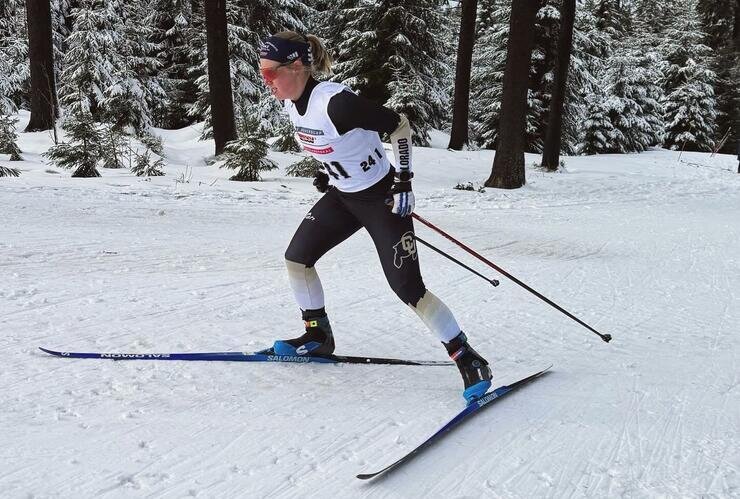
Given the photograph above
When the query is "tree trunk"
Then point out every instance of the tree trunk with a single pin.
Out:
(508, 165)
(551, 152)
(736, 71)
(41, 56)
(219, 74)
(459, 135)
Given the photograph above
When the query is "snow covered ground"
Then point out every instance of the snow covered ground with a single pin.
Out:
(644, 247)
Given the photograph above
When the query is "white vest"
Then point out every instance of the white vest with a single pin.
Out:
(354, 161)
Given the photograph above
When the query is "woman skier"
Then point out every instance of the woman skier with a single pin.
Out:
(361, 189)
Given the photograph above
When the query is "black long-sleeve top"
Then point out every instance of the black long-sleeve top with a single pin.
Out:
(348, 111)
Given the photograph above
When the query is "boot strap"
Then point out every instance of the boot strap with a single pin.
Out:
(456, 354)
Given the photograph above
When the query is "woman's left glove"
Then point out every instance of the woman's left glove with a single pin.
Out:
(321, 181)
(403, 198)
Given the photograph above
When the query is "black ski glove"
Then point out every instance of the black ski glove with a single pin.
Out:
(321, 181)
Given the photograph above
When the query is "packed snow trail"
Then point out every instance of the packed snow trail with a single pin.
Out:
(641, 246)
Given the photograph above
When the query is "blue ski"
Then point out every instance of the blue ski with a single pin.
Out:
(246, 357)
(473, 407)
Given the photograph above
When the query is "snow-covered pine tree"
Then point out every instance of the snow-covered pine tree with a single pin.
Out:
(171, 24)
(487, 16)
(15, 73)
(690, 110)
(61, 10)
(487, 74)
(683, 40)
(247, 154)
(285, 141)
(272, 119)
(542, 74)
(306, 167)
(405, 88)
(90, 61)
(453, 21)
(106, 66)
(650, 17)
(347, 28)
(690, 104)
(612, 17)
(718, 22)
(9, 172)
(146, 167)
(651, 96)
(113, 145)
(417, 43)
(328, 19)
(136, 85)
(623, 112)
(592, 42)
(586, 62)
(152, 142)
(598, 134)
(9, 137)
(647, 80)
(124, 102)
(198, 69)
(717, 19)
(81, 151)
(243, 56)
(631, 110)
(592, 130)
(390, 48)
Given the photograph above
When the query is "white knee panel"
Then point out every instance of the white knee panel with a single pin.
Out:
(437, 317)
(306, 285)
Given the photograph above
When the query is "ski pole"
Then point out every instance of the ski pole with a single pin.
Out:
(606, 337)
(491, 281)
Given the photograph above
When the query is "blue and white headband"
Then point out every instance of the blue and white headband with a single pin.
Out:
(282, 50)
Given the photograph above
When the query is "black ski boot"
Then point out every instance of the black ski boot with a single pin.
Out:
(317, 340)
(474, 369)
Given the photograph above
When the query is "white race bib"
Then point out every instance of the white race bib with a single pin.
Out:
(354, 161)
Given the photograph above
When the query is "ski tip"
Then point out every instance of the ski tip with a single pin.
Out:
(543, 371)
(366, 476)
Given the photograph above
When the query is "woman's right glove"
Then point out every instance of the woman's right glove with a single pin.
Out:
(403, 196)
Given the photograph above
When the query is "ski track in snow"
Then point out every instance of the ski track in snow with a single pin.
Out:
(640, 246)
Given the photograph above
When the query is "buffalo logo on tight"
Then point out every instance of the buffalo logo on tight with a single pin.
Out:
(404, 248)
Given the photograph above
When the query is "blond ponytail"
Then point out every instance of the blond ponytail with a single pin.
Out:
(321, 60)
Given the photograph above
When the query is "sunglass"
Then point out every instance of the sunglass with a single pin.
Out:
(269, 74)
